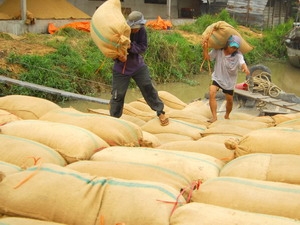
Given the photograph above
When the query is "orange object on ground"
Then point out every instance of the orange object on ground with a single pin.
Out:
(84, 26)
(159, 24)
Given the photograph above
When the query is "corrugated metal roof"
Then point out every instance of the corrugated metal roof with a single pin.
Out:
(251, 6)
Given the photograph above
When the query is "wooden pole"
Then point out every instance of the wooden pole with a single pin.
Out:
(23, 9)
(169, 9)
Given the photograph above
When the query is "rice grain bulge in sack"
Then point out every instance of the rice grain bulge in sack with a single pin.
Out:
(210, 214)
(26, 107)
(275, 140)
(266, 197)
(270, 167)
(25, 221)
(55, 193)
(26, 153)
(109, 30)
(218, 33)
(73, 143)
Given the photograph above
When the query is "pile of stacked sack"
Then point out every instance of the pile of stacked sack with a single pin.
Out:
(64, 166)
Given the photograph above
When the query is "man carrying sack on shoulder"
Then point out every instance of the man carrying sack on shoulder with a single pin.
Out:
(133, 66)
(228, 61)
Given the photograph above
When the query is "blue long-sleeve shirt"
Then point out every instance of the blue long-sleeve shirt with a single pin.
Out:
(135, 60)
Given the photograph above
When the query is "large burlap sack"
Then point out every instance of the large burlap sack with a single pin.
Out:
(25, 221)
(77, 198)
(72, 142)
(166, 108)
(113, 131)
(150, 140)
(109, 29)
(26, 153)
(188, 116)
(270, 167)
(206, 214)
(9, 168)
(218, 33)
(248, 124)
(171, 100)
(199, 107)
(26, 107)
(217, 150)
(293, 123)
(143, 106)
(176, 127)
(226, 129)
(6, 117)
(129, 118)
(171, 137)
(132, 111)
(220, 138)
(280, 118)
(266, 197)
(276, 140)
(176, 168)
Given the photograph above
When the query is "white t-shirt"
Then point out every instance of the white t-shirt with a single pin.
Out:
(226, 68)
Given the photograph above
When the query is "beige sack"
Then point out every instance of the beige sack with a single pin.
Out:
(199, 107)
(142, 106)
(270, 167)
(113, 131)
(176, 127)
(9, 168)
(280, 118)
(26, 107)
(206, 214)
(226, 129)
(218, 33)
(276, 140)
(132, 111)
(25, 221)
(77, 198)
(176, 168)
(72, 142)
(26, 153)
(6, 117)
(188, 116)
(266, 197)
(293, 123)
(248, 124)
(216, 150)
(170, 137)
(171, 100)
(150, 140)
(109, 29)
(220, 138)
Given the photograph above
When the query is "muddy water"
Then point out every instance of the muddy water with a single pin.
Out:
(284, 76)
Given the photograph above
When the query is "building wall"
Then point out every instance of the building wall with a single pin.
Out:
(150, 11)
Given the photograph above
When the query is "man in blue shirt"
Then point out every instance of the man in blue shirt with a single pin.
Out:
(133, 66)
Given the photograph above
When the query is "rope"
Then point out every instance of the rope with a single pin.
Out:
(261, 83)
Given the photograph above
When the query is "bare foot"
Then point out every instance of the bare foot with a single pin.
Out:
(212, 120)
(164, 119)
(226, 117)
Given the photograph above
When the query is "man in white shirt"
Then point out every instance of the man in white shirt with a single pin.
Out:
(228, 61)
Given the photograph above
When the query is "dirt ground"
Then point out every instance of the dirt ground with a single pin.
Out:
(20, 45)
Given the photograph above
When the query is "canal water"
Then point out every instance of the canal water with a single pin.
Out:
(283, 75)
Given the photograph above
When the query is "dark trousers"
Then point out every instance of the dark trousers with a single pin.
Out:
(120, 83)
